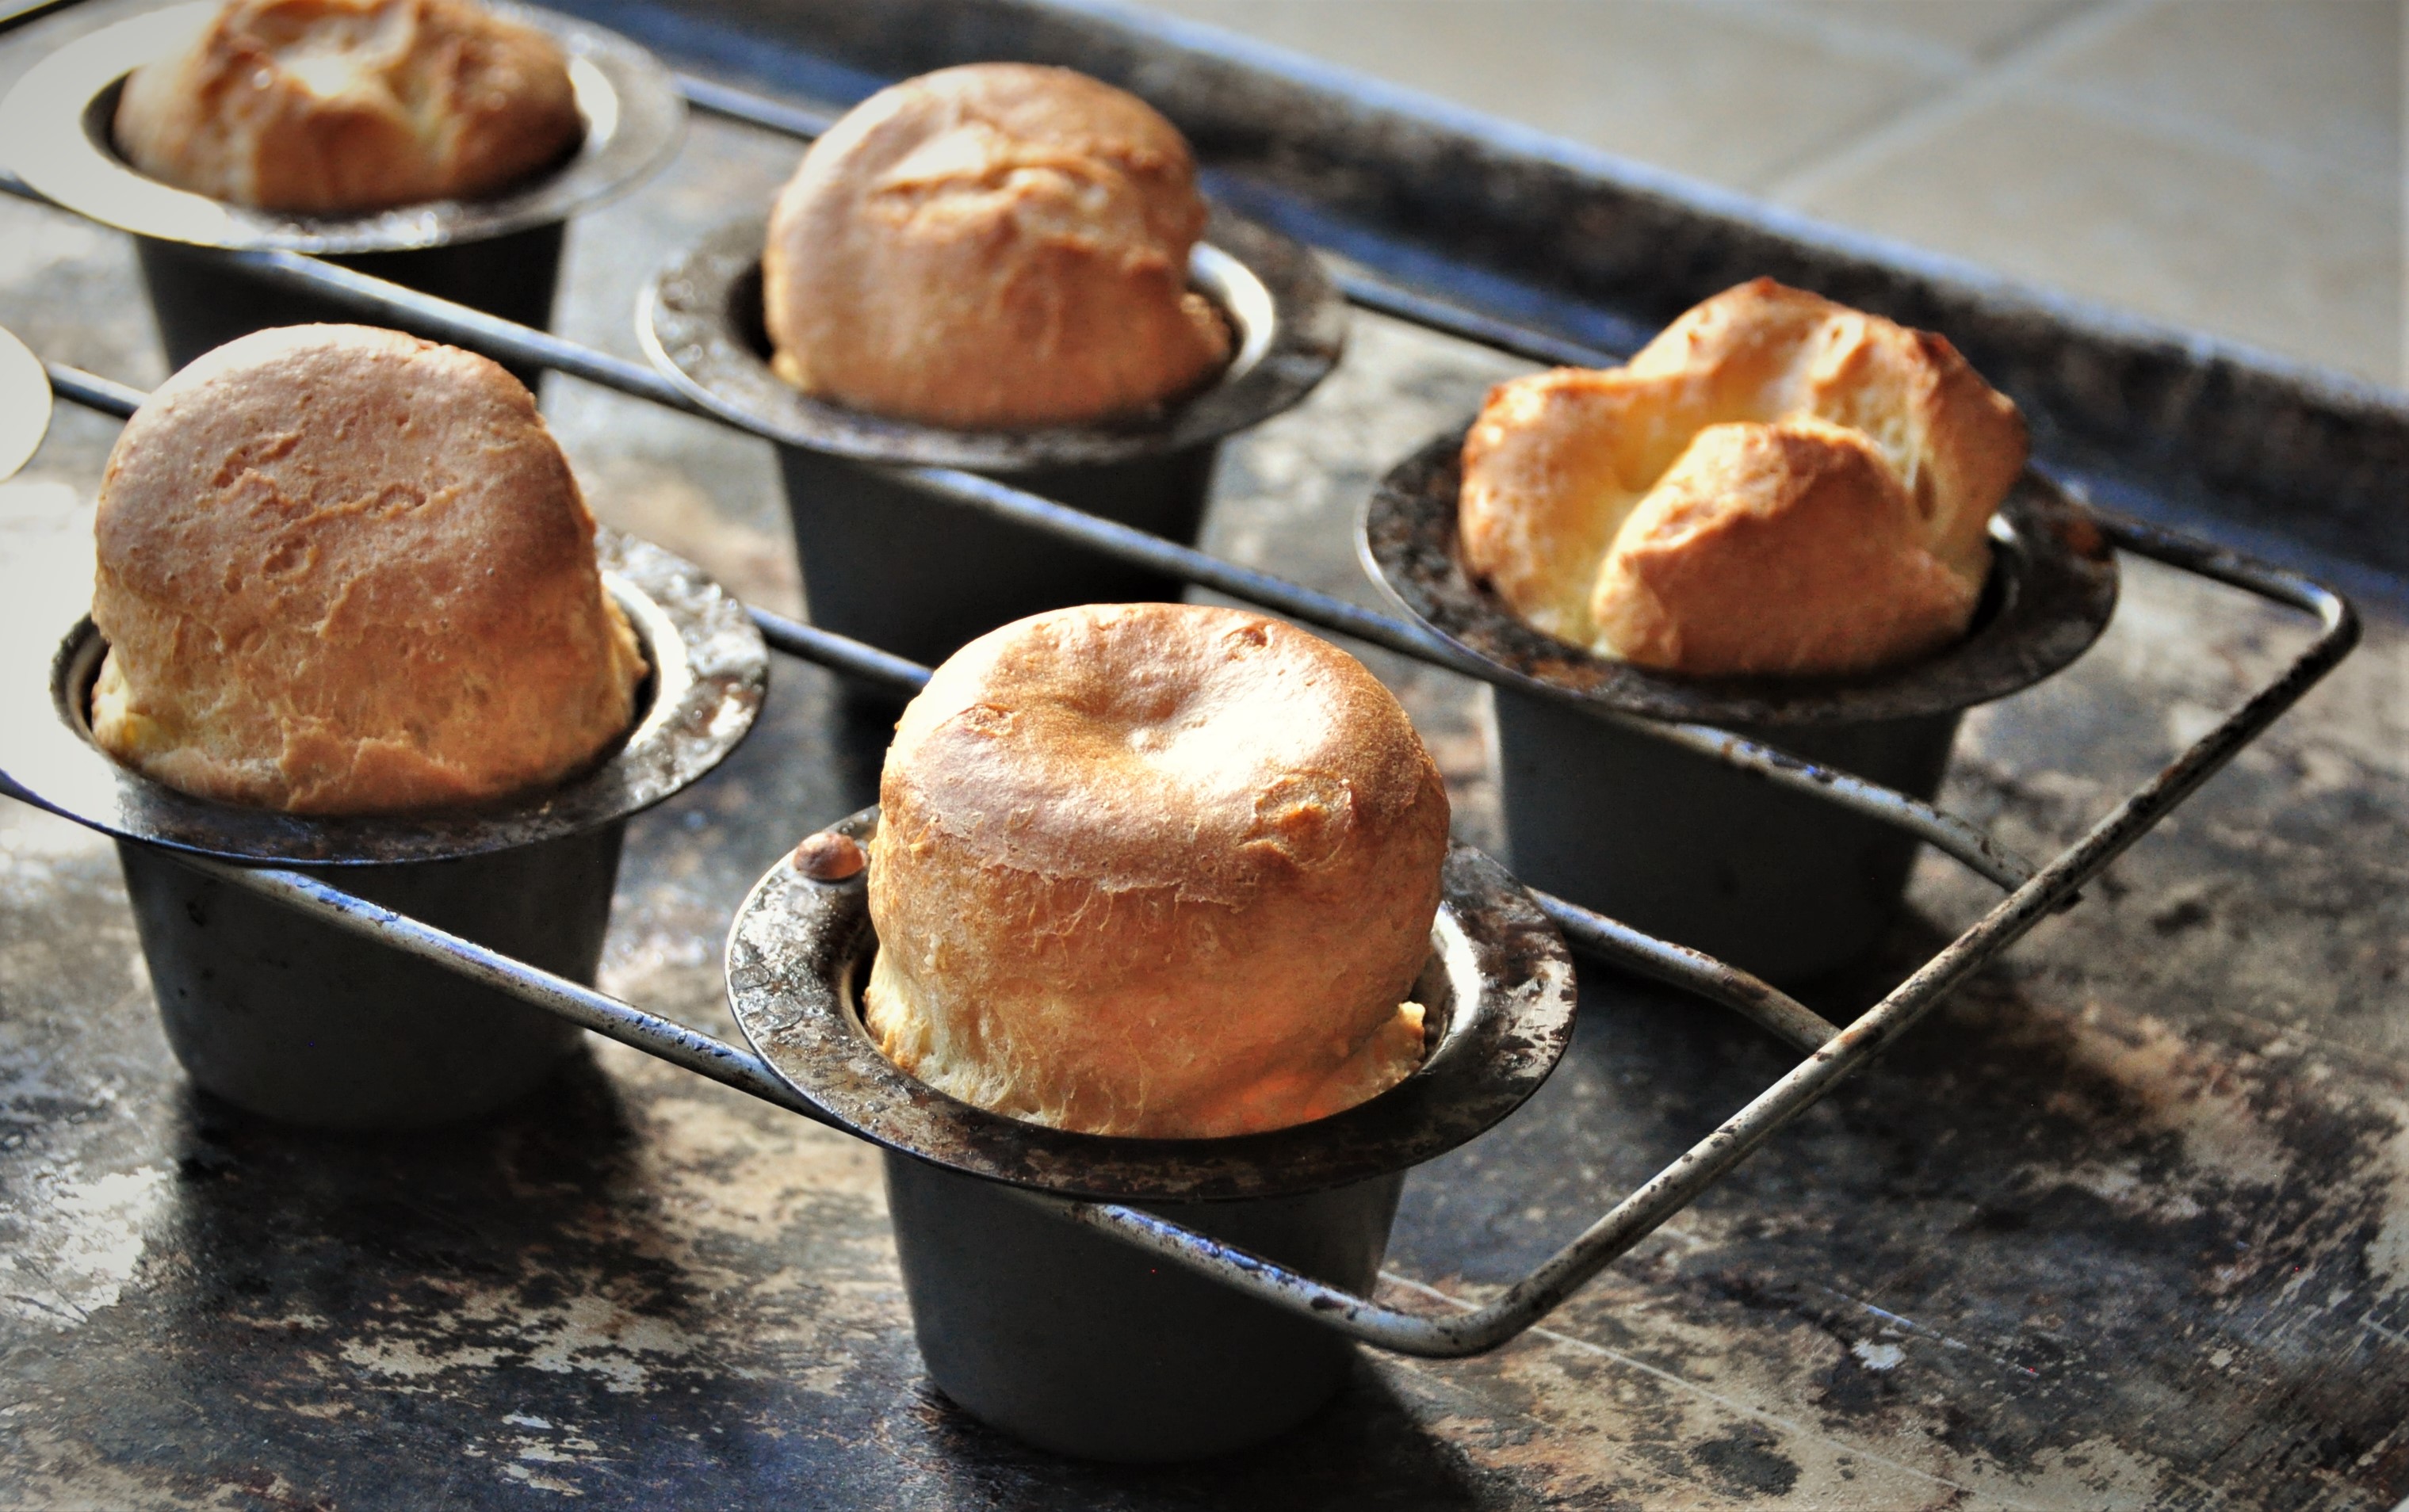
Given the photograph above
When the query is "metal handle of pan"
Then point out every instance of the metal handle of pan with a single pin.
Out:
(740, 1069)
(1680, 1183)
(708, 1057)
(662, 1038)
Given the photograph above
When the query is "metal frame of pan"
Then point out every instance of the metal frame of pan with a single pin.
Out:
(1829, 1053)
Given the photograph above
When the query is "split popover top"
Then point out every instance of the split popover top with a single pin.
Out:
(1775, 484)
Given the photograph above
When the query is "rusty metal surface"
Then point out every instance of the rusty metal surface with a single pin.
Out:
(2052, 590)
(701, 320)
(1498, 988)
(57, 119)
(2127, 1221)
(709, 670)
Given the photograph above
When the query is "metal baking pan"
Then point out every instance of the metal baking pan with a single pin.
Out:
(1903, 1298)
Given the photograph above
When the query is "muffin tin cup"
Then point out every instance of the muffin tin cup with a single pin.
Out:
(500, 254)
(200, 300)
(1084, 1345)
(1773, 882)
(884, 562)
(1064, 1337)
(297, 1020)
(1770, 879)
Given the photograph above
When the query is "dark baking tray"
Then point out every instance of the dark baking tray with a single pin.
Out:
(1995, 1249)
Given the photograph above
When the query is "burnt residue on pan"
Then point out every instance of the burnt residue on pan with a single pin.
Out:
(2020, 1238)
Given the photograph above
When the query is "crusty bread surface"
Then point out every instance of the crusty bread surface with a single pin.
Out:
(1154, 870)
(1776, 484)
(345, 106)
(344, 571)
(991, 246)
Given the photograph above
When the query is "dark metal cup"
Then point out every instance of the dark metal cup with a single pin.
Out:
(1066, 1337)
(1079, 1343)
(1775, 883)
(884, 562)
(201, 301)
(300, 1021)
(295, 1019)
(1771, 880)
(500, 254)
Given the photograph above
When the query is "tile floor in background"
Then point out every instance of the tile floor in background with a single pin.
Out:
(2230, 165)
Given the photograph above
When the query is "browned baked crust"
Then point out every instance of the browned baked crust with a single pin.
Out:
(1155, 870)
(339, 107)
(1607, 508)
(343, 570)
(1785, 547)
(989, 246)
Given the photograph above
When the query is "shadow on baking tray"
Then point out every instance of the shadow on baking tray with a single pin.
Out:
(614, 1260)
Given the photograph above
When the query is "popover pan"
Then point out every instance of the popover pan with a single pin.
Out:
(1063, 1337)
(296, 1021)
(885, 563)
(1771, 880)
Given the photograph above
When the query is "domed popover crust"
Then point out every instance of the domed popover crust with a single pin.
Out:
(991, 246)
(344, 571)
(1154, 870)
(1776, 484)
(343, 107)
